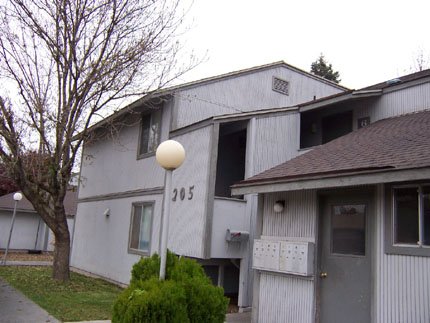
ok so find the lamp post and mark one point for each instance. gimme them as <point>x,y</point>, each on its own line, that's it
<point>170,155</point>
<point>17,197</point>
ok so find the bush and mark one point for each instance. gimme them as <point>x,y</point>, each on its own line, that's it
<point>147,268</point>
<point>149,300</point>
<point>206,303</point>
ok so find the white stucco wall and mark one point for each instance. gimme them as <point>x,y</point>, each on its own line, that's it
<point>101,243</point>
<point>24,230</point>
<point>50,243</point>
<point>111,165</point>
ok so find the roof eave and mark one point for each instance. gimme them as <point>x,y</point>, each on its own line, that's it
<point>138,103</point>
<point>10,209</point>
<point>170,90</point>
<point>342,97</point>
<point>250,70</point>
<point>333,180</point>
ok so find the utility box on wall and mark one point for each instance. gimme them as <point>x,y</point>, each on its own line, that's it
<point>291,257</point>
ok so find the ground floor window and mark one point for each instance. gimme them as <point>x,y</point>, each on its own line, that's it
<point>412,215</point>
<point>140,227</point>
<point>410,219</point>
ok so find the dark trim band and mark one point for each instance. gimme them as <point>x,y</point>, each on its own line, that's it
<point>121,195</point>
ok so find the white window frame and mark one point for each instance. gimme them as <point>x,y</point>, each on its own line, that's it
<point>131,249</point>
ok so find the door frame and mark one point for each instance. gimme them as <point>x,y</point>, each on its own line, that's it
<point>366,195</point>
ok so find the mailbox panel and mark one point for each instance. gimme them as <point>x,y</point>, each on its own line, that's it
<point>291,257</point>
<point>266,255</point>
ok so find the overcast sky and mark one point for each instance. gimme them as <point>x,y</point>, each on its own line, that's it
<point>366,41</point>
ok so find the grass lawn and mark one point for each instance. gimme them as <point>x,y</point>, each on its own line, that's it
<point>81,299</point>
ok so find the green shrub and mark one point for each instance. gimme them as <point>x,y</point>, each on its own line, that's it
<point>186,283</point>
<point>152,301</point>
<point>185,268</point>
<point>206,303</point>
<point>146,268</point>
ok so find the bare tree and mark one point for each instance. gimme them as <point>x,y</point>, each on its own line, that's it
<point>63,62</point>
<point>420,61</point>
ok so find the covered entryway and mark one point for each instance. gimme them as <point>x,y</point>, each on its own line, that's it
<point>345,262</point>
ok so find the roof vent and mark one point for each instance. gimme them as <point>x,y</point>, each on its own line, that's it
<point>394,81</point>
<point>280,85</point>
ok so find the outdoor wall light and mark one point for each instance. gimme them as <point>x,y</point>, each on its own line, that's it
<point>279,206</point>
<point>106,212</point>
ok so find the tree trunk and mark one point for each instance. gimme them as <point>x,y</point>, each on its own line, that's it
<point>61,270</point>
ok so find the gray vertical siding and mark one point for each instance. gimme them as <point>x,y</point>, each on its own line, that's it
<point>187,218</point>
<point>285,299</point>
<point>279,144</point>
<point>395,103</point>
<point>402,282</point>
<point>297,219</point>
<point>246,92</point>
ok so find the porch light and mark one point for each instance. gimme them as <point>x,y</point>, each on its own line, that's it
<point>170,155</point>
<point>279,206</point>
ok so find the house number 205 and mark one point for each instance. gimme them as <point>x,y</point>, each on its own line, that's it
<point>182,193</point>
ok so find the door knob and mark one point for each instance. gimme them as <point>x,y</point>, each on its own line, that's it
<point>323,275</point>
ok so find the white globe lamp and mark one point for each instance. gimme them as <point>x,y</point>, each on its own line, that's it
<point>170,154</point>
<point>17,196</point>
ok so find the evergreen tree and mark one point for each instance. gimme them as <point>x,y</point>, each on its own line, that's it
<point>324,69</point>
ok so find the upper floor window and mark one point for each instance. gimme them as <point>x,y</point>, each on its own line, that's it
<point>150,127</point>
<point>323,125</point>
<point>140,227</point>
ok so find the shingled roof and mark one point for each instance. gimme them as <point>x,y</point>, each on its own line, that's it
<point>402,79</point>
<point>70,203</point>
<point>395,143</point>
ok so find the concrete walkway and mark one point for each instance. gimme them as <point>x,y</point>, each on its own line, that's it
<point>16,308</point>
<point>239,317</point>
